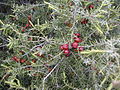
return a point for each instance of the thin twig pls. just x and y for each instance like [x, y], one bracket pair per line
[34, 48]
[51, 72]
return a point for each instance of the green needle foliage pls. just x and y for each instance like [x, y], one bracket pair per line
[32, 32]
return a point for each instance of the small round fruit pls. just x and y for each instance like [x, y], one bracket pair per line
[65, 46]
[23, 30]
[61, 47]
[27, 25]
[34, 61]
[40, 55]
[74, 45]
[14, 58]
[78, 40]
[80, 48]
[84, 21]
[66, 52]
[71, 3]
[91, 7]
[22, 61]
[77, 34]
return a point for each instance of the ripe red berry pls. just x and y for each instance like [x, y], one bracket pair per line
[91, 6]
[74, 45]
[66, 52]
[71, 3]
[15, 59]
[23, 30]
[61, 47]
[34, 61]
[22, 60]
[80, 48]
[65, 46]
[78, 40]
[27, 25]
[84, 21]
[77, 34]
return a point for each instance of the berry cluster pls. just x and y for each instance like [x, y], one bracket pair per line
[27, 25]
[16, 59]
[75, 45]
[91, 6]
